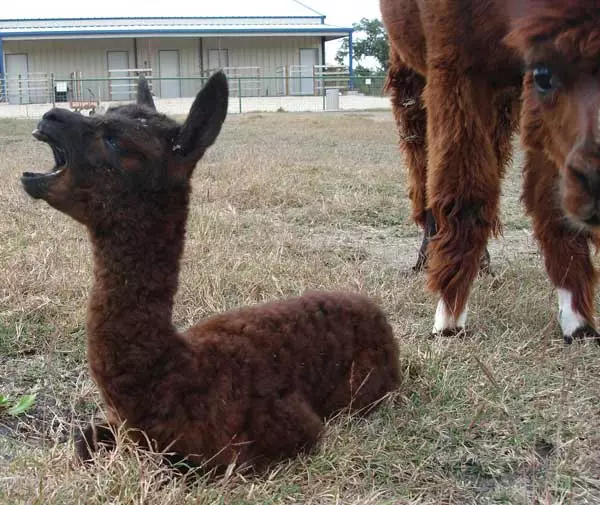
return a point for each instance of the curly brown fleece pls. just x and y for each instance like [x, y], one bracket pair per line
[458, 92]
[250, 386]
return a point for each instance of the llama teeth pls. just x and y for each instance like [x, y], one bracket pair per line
[53, 173]
[38, 175]
[38, 134]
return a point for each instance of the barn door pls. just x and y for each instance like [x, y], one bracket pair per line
[308, 60]
[17, 78]
[119, 89]
[168, 66]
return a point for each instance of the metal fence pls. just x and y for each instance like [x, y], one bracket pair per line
[247, 89]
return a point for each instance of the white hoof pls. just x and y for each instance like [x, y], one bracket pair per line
[446, 322]
[570, 320]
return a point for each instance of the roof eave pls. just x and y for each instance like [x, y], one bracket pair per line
[330, 33]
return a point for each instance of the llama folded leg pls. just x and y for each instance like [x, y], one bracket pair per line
[282, 427]
[368, 379]
[92, 438]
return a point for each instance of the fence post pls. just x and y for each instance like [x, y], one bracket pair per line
[240, 93]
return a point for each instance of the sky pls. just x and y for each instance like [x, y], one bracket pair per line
[337, 12]
[344, 13]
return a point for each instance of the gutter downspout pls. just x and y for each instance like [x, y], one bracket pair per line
[135, 53]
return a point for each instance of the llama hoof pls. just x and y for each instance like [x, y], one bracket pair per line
[446, 324]
[586, 332]
[420, 265]
[485, 265]
[429, 231]
[450, 332]
[572, 323]
[91, 439]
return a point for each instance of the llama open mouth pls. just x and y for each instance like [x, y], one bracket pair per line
[60, 157]
[38, 185]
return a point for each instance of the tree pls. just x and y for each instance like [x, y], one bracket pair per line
[370, 40]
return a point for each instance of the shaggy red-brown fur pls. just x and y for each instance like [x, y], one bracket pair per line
[250, 386]
[453, 76]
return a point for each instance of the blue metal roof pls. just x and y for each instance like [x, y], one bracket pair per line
[266, 31]
[127, 18]
[61, 28]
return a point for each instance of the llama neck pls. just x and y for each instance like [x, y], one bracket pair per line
[136, 266]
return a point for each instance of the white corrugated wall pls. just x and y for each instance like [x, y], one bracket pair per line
[62, 57]
[267, 53]
[90, 56]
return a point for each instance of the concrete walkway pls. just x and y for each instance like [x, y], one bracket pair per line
[181, 106]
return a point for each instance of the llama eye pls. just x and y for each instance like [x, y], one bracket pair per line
[111, 143]
[543, 79]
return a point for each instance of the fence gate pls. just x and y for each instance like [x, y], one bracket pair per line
[245, 81]
[17, 86]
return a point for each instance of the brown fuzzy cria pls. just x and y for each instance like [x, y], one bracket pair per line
[250, 386]
[456, 72]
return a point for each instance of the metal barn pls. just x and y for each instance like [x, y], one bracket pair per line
[270, 48]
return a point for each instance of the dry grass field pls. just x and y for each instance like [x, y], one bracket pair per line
[284, 203]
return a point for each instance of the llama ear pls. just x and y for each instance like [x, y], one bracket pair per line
[144, 96]
[205, 119]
